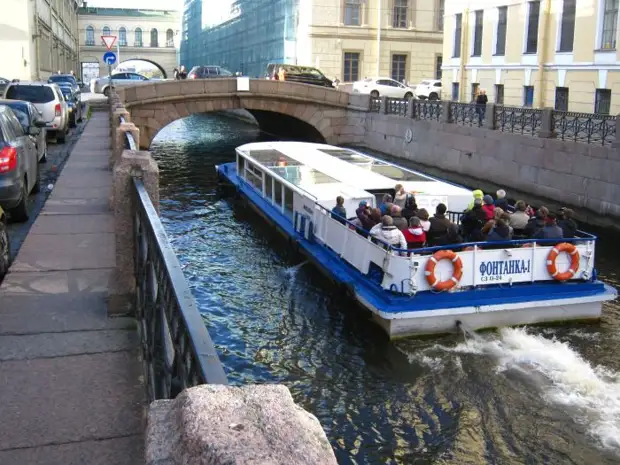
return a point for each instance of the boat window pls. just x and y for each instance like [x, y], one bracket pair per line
[270, 157]
[348, 155]
[277, 186]
[395, 173]
[241, 166]
[268, 187]
[255, 176]
[288, 201]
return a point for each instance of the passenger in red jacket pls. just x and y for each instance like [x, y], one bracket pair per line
[488, 207]
[414, 234]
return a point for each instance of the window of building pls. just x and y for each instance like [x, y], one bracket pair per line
[438, 64]
[610, 20]
[399, 67]
[531, 44]
[528, 96]
[499, 94]
[399, 15]
[477, 51]
[105, 32]
[90, 35]
[457, 35]
[502, 23]
[561, 98]
[602, 101]
[475, 89]
[154, 41]
[122, 37]
[455, 91]
[351, 66]
[567, 28]
[440, 12]
[169, 38]
[138, 37]
[352, 12]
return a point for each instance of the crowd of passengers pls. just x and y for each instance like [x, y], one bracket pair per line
[399, 222]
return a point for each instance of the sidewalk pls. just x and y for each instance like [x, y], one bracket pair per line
[70, 389]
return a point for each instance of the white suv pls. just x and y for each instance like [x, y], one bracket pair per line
[429, 89]
[48, 99]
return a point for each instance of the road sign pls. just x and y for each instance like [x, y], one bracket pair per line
[109, 41]
[109, 58]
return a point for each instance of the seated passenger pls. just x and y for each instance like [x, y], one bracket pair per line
[537, 223]
[415, 234]
[399, 221]
[439, 224]
[400, 196]
[339, 213]
[386, 204]
[567, 223]
[551, 230]
[451, 237]
[497, 215]
[388, 233]
[500, 230]
[478, 194]
[375, 216]
[410, 206]
[501, 201]
[519, 218]
[488, 206]
[363, 215]
[423, 215]
[473, 221]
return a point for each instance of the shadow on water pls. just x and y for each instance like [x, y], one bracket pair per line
[541, 395]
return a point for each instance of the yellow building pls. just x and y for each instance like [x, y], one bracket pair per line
[353, 39]
[548, 53]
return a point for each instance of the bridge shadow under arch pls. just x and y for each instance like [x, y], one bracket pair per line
[286, 127]
[146, 60]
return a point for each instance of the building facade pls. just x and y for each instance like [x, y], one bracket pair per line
[346, 39]
[528, 53]
[38, 38]
[148, 35]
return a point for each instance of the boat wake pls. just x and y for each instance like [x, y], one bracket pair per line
[290, 273]
[590, 394]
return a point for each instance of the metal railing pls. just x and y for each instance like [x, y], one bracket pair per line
[590, 128]
[130, 143]
[397, 106]
[177, 350]
[428, 110]
[375, 105]
[467, 114]
[519, 120]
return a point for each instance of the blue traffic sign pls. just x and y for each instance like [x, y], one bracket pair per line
[109, 58]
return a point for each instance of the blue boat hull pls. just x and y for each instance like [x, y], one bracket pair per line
[433, 313]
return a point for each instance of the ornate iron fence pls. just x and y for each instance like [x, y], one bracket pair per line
[375, 105]
[590, 128]
[518, 120]
[176, 347]
[397, 106]
[467, 114]
[428, 110]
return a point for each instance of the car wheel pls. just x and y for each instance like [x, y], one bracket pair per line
[408, 95]
[44, 157]
[5, 250]
[37, 182]
[72, 121]
[374, 94]
[106, 91]
[20, 212]
[433, 96]
[61, 136]
[79, 120]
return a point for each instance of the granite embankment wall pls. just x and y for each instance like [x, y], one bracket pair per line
[583, 176]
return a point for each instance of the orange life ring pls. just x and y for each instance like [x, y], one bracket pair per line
[574, 261]
[431, 279]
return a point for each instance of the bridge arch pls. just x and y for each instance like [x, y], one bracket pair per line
[321, 114]
[154, 63]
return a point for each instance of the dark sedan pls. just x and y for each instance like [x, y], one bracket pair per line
[30, 117]
[74, 102]
[68, 79]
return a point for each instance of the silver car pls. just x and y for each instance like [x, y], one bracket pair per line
[19, 167]
[102, 85]
[48, 99]
[28, 117]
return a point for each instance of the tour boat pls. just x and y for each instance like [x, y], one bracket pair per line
[433, 290]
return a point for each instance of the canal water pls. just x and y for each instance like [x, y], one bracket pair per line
[541, 395]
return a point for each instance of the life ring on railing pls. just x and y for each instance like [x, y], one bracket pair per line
[571, 250]
[448, 284]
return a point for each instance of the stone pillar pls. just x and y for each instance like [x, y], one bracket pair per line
[546, 124]
[383, 109]
[215, 424]
[118, 143]
[411, 108]
[616, 144]
[446, 117]
[489, 116]
[132, 163]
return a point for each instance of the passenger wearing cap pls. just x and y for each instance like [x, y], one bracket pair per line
[488, 205]
[478, 194]
[473, 221]
[363, 214]
[501, 201]
[551, 230]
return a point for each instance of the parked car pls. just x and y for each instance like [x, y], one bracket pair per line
[48, 99]
[295, 73]
[29, 116]
[429, 89]
[208, 72]
[3, 84]
[19, 167]
[64, 78]
[5, 245]
[102, 85]
[73, 98]
[384, 87]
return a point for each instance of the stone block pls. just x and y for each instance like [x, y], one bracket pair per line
[127, 95]
[533, 156]
[318, 94]
[599, 151]
[344, 98]
[181, 109]
[214, 424]
[562, 181]
[561, 162]
[603, 190]
[192, 87]
[332, 96]
[220, 86]
[145, 92]
[120, 141]
[168, 89]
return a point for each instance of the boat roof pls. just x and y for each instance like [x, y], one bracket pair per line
[328, 164]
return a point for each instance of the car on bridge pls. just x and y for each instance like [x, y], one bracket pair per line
[208, 72]
[295, 73]
[383, 87]
[102, 85]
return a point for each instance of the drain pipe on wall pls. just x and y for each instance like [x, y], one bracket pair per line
[542, 56]
[464, 48]
[379, 2]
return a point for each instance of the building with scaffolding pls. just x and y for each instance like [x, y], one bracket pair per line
[346, 39]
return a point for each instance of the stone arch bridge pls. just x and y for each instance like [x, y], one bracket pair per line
[283, 108]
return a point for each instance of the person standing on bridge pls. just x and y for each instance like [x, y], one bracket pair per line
[182, 72]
